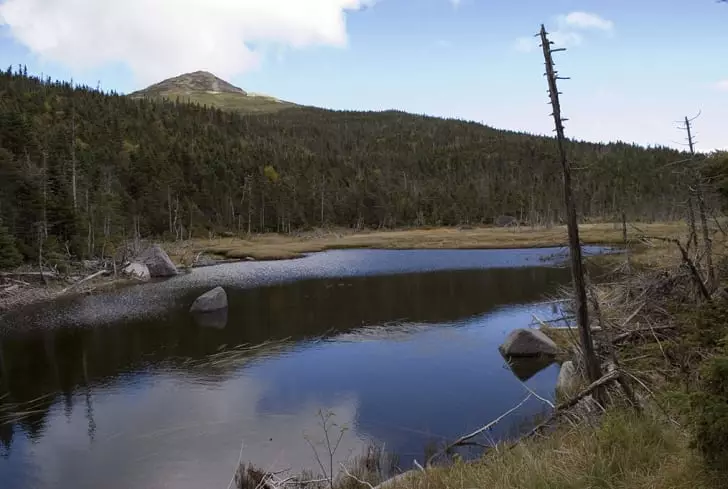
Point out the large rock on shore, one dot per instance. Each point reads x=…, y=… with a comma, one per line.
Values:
x=137, y=270
x=528, y=343
x=211, y=301
x=158, y=262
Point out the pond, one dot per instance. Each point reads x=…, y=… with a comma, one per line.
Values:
x=126, y=389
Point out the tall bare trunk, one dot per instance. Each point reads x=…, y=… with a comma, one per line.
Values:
x=577, y=271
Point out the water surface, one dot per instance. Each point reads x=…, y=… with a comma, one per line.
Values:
x=127, y=389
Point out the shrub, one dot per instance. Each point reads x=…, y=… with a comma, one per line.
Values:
x=711, y=408
x=10, y=257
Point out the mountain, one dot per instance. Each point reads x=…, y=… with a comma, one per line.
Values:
x=81, y=171
x=205, y=88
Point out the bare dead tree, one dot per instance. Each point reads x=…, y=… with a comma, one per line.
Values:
x=697, y=190
x=691, y=223
x=73, y=154
x=577, y=266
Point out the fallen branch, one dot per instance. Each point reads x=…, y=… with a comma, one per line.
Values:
x=610, y=377
x=686, y=258
x=477, y=432
x=343, y=467
x=28, y=274
x=83, y=280
x=635, y=332
x=632, y=316
x=6, y=289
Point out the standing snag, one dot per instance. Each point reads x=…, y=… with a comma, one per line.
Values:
x=577, y=267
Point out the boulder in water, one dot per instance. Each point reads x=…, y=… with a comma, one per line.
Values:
x=528, y=343
x=158, y=262
x=214, y=300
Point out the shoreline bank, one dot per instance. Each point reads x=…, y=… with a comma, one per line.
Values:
x=199, y=253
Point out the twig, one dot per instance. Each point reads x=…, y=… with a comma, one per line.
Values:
x=627, y=335
x=343, y=467
x=693, y=270
x=533, y=393
x=475, y=433
x=559, y=410
x=86, y=279
x=237, y=467
x=654, y=398
x=632, y=316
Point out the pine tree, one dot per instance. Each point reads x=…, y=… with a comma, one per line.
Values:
x=9, y=255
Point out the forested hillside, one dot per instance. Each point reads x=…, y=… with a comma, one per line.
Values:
x=81, y=169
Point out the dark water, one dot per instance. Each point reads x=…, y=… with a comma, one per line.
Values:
x=128, y=390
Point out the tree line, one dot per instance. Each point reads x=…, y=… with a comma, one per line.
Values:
x=83, y=170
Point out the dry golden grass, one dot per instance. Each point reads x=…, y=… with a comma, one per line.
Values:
x=625, y=451
x=280, y=246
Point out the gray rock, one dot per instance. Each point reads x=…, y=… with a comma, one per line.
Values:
x=568, y=380
x=213, y=300
x=158, y=262
x=506, y=221
x=137, y=270
x=528, y=343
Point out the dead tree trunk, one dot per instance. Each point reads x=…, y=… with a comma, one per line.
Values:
x=691, y=223
x=577, y=267
x=702, y=211
x=73, y=157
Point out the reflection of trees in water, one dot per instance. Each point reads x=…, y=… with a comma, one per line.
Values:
x=69, y=361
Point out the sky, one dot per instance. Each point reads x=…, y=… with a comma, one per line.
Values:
x=636, y=67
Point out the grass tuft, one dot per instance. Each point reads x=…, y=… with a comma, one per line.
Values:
x=625, y=450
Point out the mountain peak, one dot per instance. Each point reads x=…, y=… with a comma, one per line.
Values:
x=199, y=81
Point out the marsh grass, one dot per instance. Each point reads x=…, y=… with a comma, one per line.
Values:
x=288, y=246
x=624, y=451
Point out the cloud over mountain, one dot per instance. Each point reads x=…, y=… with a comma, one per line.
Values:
x=159, y=38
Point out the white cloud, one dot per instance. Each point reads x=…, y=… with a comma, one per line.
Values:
x=161, y=38
x=585, y=20
x=722, y=85
x=569, y=32
x=455, y=3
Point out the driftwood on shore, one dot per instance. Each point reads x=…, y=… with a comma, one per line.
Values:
x=84, y=280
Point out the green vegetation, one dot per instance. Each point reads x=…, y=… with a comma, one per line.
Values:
x=205, y=89
x=157, y=168
x=9, y=254
x=624, y=451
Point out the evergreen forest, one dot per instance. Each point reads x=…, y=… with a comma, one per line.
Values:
x=82, y=170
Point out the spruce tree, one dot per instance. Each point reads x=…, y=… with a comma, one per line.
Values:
x=9, y=255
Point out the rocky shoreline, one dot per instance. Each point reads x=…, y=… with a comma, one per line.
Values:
x=25, y=287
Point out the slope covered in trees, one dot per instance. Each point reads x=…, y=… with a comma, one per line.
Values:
x=81, y=169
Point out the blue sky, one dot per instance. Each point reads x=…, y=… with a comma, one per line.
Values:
x=636, y=66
